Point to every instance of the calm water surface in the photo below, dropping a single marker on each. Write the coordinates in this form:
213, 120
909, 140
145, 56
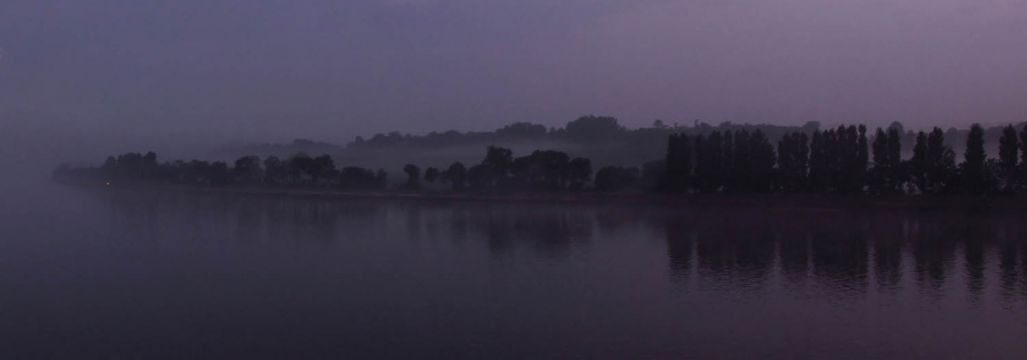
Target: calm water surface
119, 275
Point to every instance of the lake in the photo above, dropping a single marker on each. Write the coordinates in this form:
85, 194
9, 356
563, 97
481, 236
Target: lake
108, 274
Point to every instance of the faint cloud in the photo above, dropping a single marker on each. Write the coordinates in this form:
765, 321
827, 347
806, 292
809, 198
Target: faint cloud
409, 2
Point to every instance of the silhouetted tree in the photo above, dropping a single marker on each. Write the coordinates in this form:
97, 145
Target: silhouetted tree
739, 161
832, 166
543, 169
793, 161
382, 178
1022, 179
522, 130
709, 162
579, 172
819, 173
918, 164
678, 163
431, 174
941, 163
725, 170
300, 167
413, 176
497, 164
756, 168
862, 158
110, 164
879, 175
615, 178
276, 172
975, 177
218, 174
593, 129
896, 127
741, 166
477, 176
887, 153
1008, 153
321, 167
653, 174
132, 167
456, 175
357, 178
195, 172
896, 176
847, 152
247, 170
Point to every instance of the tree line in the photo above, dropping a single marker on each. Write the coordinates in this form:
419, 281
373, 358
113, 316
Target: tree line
300, 170
844, 160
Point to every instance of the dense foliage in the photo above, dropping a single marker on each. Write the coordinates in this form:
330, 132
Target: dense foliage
845, 160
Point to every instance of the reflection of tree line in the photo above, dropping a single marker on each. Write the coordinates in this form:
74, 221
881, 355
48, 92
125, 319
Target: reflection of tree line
846, 250
549, 230
842, 249
552, 231
243, 219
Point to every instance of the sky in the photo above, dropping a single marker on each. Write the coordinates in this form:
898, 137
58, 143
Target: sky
103, 71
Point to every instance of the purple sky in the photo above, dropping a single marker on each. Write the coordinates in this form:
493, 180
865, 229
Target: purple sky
330, 70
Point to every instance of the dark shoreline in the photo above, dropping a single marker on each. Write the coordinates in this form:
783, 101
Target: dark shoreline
784, 201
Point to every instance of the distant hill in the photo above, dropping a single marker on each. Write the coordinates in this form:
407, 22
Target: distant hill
601, 138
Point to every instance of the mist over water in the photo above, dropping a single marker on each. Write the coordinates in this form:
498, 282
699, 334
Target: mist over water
101, 274
98, 274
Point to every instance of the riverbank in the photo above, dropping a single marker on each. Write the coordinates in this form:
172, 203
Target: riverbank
807, 201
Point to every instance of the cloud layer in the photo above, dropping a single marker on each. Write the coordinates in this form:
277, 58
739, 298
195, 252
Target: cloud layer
270, 69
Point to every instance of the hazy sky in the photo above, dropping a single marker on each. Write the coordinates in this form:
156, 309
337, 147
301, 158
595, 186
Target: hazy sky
329, 70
